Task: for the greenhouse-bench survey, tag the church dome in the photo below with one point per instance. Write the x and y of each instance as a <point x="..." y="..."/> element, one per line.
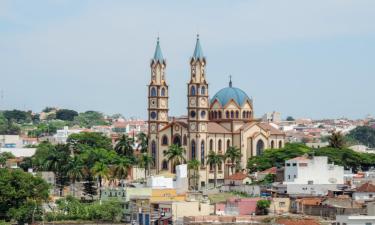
<point x="227" y="94"/>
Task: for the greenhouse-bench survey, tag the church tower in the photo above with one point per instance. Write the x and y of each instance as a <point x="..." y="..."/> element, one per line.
<point x="198" y="105"/>
<point x="157" y="100"/>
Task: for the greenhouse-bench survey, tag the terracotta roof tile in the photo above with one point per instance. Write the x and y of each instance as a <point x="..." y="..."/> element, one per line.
<point x="237" y="176"/>
<point x="217" y="128"/>
<point x="367" y="187"/>
<point x="271" y="170"/>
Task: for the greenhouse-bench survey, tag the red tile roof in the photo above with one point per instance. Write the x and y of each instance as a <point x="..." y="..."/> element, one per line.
<point x="367" y="187"/>
<point x="237" y="176"/>
<point x="271" y="170"/>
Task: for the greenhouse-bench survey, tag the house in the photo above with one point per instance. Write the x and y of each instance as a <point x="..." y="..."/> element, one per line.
<point x="241" y="206"/>
<point x="237" y="179"/>
<point x="354" y="220"/>
<point x="279" y="205"/>
<point x="365" y="192"/>
<point x="306" y="175"/>
<point x="299" y="205"/>
<point x="270" y="171"/>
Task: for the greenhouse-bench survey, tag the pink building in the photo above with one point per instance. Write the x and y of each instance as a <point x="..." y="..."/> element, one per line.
<point x="241" y="206"/>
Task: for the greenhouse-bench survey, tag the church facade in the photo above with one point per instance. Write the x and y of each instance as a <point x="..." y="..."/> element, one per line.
<point x="225" y="120"/>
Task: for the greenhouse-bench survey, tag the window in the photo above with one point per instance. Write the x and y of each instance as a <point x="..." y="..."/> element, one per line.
<point x="219" y="114"/>
<point x="203" y="90"/>
<point x="288" y="164"/>
<point x="232" y="114"/>
<point x="280" y="144"/>
<point x="184" y="140"/>
<point x="192" y="149"/>
<point x="153" y="115"/>
<point x="192" y="114"/>
<point x="153" y="151"/>
<point x="272" y="144"/>
<point x="302" y="164"/>
<point x="243" y="114"/>
<point x="282" y="204"/>
<point x="211" y="145"/>
<point x="164" y="140"/>
<point x="260" y="147"/>
<point x="202" y="153"/>
<point x="237" y="114"/>
<point x="203" y="114"/>
<point x="227" y="114"/>
<point x="228" y="144"/>
<point x="215" y="114"/>
<point x="219" y="146"/>
<point x="162" y="92"/>
<point x="295" y="176"/>
<point x="153" y="92"/>
<point x="310" y="182"/>
<point x="192" y="90"/>
<point x="288" y="177"/>
<point x="294" y="164"/>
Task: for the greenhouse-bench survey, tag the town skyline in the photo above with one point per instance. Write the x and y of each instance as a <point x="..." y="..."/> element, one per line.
<point x="92" y="57"/>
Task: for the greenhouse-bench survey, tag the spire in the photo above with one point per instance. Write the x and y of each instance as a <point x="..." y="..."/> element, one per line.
<point x="198" y="53"/>
<point x="230" y="80"/>
<point x="158" y="56"/>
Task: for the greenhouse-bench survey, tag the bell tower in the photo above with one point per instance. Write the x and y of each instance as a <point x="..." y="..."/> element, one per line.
<point x="157" y="103"/>
<point x="198" y="105"/>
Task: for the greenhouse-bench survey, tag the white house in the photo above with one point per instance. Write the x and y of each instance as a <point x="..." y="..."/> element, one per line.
<point x="62" y="135"/>
<point x="355" y="220"/>
<point x="312" y="175"/>
<point x="365" y="192"/>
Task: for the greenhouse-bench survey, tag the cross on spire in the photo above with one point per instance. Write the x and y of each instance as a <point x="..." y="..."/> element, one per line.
<point x="230" y="80"/>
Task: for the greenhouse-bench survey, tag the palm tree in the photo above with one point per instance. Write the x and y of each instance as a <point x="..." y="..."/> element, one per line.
<point x="75" y="171"/>
<point x="214" y="160"/>
<point x="194" y="165"/>
<point x="146" y="161"/>
<point x="336" y="140"/>
<point x="100" y="170"/>
<point x="120" y="168"/>
<point x="234" y="155"/>
<point x="143" y="142"/>
<point x="125" y="146"/>
<point x="176" y="155"/>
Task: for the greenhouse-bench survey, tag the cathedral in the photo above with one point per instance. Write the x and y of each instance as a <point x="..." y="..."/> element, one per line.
<point x="212" y="124"/>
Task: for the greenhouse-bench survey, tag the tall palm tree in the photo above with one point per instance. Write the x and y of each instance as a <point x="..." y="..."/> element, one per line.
<point x="145" y="161"/>
<point x="125" y="146"/>
<point x="120" y="168"/>
<point x="194" y="165"/>
<point x="214" y="160"/>
<point x="75" y="171"/>
<point x="336" y="140"/>
<point x="176" y="155"/>
<point x="234" y="155"/>
<point x="101" y="171"/>
<point x="142" y="142"/>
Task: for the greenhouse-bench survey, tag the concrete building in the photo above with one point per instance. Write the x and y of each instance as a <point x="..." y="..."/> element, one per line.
<point x="312" y="175"/>
<point x="62" y="135"/>
<point x="354" y="220"/>
<point x="272" y="117"/>
<point x="279" y="205"/>
<point x="365" y="192"/>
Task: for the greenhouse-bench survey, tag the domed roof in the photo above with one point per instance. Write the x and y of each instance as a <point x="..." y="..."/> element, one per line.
<point x="225" y="95"/>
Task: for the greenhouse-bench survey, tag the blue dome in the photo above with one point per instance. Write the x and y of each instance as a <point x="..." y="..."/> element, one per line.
<point x="225" y="95"/>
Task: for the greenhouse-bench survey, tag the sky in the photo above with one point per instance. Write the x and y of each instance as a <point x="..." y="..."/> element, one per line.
<point x="301" y="58"/>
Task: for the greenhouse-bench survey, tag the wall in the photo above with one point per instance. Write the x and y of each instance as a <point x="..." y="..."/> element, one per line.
<point x="279" y="205"/>
<point x="364" y="195"/>
<point x="307" y="189"/>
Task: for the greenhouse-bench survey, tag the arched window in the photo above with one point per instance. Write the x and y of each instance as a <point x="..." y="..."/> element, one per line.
<point x="177" y="140"/>
<point x="185" y="140"/>
<point x="219" y="114"/>
<point x="162" y="92"/>
<point x="202" y="153"/>
<point x="164" y="165"/>
<point x="219" y="146"/>
<point x="153" y="151"/>
<point x="192" y="90"/>
<point x="243" y="115"/>
<point x="272" y="144"/>
<point x="215" y="115"/>
<point x="220" y="166"/>
<point x="237" y="114"/>
<point x="228" y="143"/>
<point x="203" y="90"/>
<point x="227" y="114"/>
<point x="164" y="140"/>
<point x="211" y="145"/>
<point x="231" y="114"/>
<point x="249" y="114"/>
<point x="260" y="147"/>
<point x="280" y="144"/>
<point x="153" y="92"/>
<point x="193" y="149"/>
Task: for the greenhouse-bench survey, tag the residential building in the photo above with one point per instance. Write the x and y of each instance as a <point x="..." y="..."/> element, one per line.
<point x="272" y="117"/>
<point x="62" y="135"/>
<point x="279" y="205"/>
<point x="365" y="192"/>
<point x="354" y="220"/>
<point x="312" y="175"/>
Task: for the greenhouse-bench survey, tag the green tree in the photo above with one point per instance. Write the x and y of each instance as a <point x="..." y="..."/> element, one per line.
<point x="142" y="142"/>
<point x="234" y="155"/>
<point x="364" y="135"/>
<point x="262" y="207"/>
<point x="176" y="155"/>
<point x="145" y="161"/>
<point x="290" y="118"/>
<point x="90" y="118"/>
<point x="75" y="171"/>
<point x="193" y="165"/>
<point x="120" y="168"/>
<point x="4" y="156"/>
<point x="66" y="114"/>
<point x="79" y="142"/>
<point x="124" y="146"/>
<point x="101" y="171"/>
<point x="336" y="140"/>
<point x="21" y="194"/>
<point x="214" y="160"/>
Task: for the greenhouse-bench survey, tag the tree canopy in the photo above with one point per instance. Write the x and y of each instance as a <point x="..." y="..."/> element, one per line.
<point x="363" y="135"/>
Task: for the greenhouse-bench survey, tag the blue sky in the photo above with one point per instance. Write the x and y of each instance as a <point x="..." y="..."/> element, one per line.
<point x="302" y="58"/>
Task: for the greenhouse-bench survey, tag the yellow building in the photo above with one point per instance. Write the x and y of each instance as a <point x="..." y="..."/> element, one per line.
<point x="212" y="124"/>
